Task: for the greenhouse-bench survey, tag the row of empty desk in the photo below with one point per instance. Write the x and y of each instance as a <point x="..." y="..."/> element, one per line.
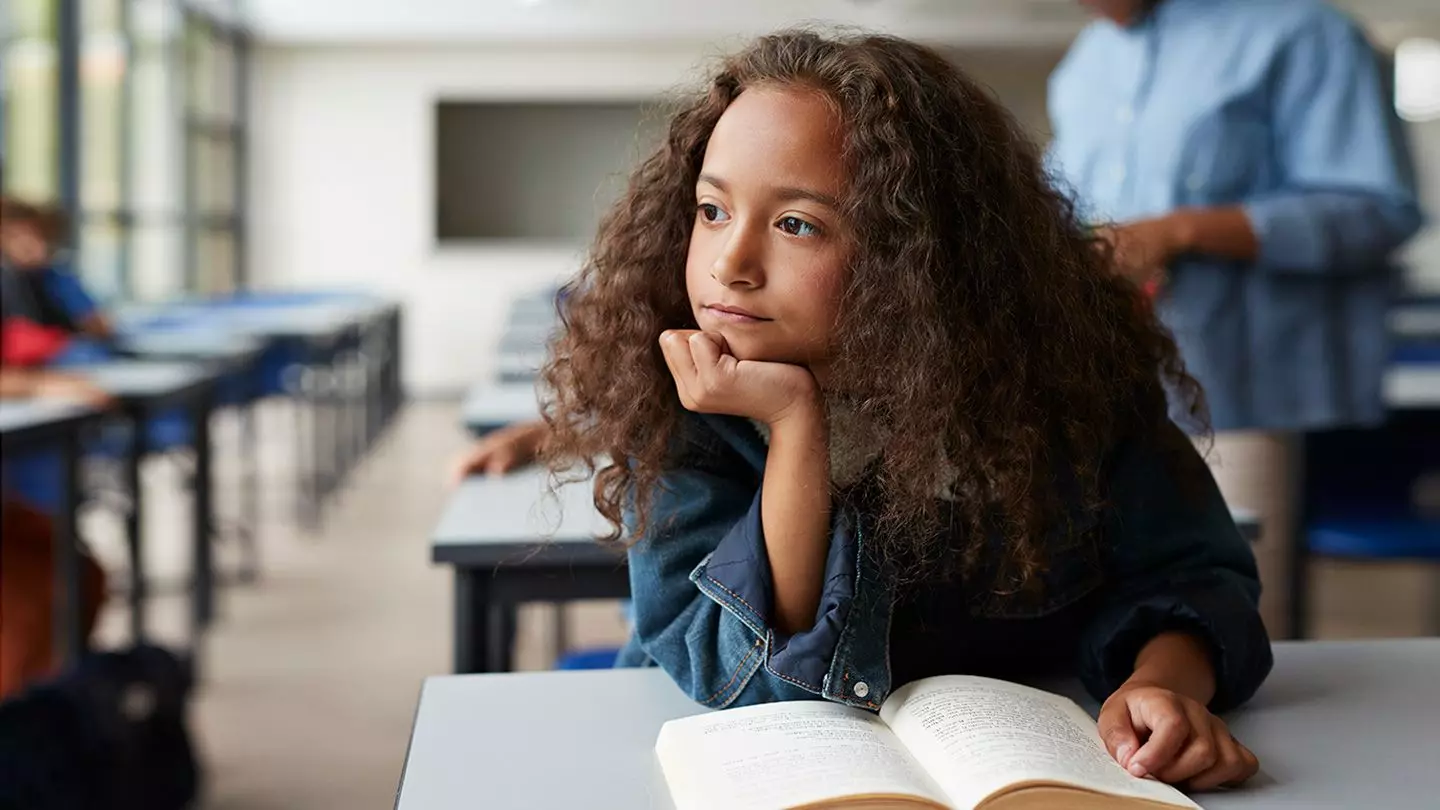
<point x="181" y="362"/>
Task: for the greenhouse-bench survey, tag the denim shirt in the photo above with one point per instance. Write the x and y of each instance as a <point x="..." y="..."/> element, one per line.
<point x="702" y="588"/>
<point x="1279" y="107"/>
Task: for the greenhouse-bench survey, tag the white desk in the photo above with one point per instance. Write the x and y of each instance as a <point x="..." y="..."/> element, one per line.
<point x="491" y="406"/>
<point x="519" y="367"/>
<point x="190" y="344"/>
<point x="522" y="339"/>
<point x="532" y="309"/>
<point x="509" y="541"/>
<point x="1413" y="387"/>
<point x="152" y="383"/>
<point x="31" y="422"/>
<point x="1338" y="725"/>
<point x="1415" y="321"/>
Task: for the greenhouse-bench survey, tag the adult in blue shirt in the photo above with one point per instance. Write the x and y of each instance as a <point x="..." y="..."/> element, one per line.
<point x="1249" y="155"/>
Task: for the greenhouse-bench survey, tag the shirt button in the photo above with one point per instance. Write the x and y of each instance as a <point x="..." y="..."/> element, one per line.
<point x="1125" y="114"/>
<point x="862" y="689"/>
<point x="1119" y="174"/>
<point x="1195" y="182"/>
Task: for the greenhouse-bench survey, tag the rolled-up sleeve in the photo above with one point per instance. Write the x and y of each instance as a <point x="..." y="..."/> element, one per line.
<point x="1347" y="198"/>
<point x="1175" y="562"/>
<point x="702" y="591"/>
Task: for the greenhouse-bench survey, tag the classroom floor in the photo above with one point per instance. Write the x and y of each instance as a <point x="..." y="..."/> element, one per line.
<point x="312" y="673"/>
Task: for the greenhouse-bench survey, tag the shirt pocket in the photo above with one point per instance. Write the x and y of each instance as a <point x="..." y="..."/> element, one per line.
<point x="1225" y="155"/>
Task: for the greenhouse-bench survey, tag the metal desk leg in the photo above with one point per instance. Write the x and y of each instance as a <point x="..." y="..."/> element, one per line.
<point x="472" y="619"/>
<point x="501" y="655"/>
<point x="1299" y="569"/>
<point x="297" y="399"/>
<point x="323" y="425"/>
<point x="135" y="523"/>
<point x="560" y="627"/>
<point x="307" y="428"/>
<point x="359" y="402"/>
<point x="202" y="517"/>
<point x="68" y="628"/>
<point x="249" y="488"/>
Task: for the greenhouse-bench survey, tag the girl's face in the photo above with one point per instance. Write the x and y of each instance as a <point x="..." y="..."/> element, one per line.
<point x="23" y="245"/>
<point x="769" y="250"/>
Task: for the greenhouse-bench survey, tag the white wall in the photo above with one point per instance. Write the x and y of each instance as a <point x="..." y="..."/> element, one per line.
<point x="343" y="186"/>
<point x="343" y="190"/>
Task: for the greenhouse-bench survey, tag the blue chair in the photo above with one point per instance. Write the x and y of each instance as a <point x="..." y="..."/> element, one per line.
<point x="35" y="478"/>
<point x="1363" y="501"/>
<point x="597" y="658"/>
<point x="602" y="658"/>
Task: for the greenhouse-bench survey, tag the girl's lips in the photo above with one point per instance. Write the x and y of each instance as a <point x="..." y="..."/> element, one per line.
<point x="733" y="314"/>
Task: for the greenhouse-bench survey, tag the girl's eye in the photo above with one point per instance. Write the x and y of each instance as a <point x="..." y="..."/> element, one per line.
<point x="710" y="212"/>
<point x="796" y="226"/>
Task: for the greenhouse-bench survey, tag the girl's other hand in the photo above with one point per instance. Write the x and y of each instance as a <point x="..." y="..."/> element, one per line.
<point x="59" y="385"/>
<point x="501" y="451"/>
<point x="711" y="380"/>
<point x="1151" y="730"/>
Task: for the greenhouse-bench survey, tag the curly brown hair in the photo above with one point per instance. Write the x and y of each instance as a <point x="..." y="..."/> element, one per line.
<point x="981" y="325"/>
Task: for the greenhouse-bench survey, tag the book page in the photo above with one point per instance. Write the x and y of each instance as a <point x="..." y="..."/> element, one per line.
<point x="976" y="735"/>
<point x="785" y="755"/>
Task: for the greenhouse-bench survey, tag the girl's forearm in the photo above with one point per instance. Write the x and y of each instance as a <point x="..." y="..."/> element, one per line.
<point x="795" y="512"/>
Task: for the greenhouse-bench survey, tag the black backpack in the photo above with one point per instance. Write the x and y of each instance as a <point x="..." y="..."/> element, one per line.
<point x="109" y="734"/>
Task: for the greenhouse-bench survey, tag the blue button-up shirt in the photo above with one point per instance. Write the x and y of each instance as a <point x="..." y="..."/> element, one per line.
<point x="1281" y="107"/>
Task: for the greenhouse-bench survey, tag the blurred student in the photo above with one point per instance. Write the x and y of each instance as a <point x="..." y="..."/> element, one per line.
<point x="1250" y="153"/>
<point x="48" y="314"/>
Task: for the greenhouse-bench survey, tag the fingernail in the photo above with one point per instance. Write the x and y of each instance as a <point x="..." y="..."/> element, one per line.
<point x="1123" y="753"/>
<point x="1136" y="769"/>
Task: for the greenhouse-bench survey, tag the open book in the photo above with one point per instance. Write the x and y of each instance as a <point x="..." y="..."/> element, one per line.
<point x="949" y="742"/>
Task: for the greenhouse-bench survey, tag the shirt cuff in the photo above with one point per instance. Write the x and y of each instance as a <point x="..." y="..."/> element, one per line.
<point x="1212" y="610"/>
<point x="1285" y="230"/>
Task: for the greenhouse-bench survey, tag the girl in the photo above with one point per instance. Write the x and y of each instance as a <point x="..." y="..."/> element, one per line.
<point x="880" y="410"/>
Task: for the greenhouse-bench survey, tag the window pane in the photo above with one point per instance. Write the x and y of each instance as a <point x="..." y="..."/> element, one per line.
<point x="100" y="15"/>
<point x="199" y="95"/>
<point x="102" y="77"/>
<point x="32" y="18"/>
<point x="154" y="21"/>
<point x="155" y="120"/>
<point x="100" y="263"/>
<point x="222" y="80"/>
<point x="31" y="118"/>
<point x="214" y="175"/>
<point x="155" y="262"/>
<point x="216" y="255"/>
